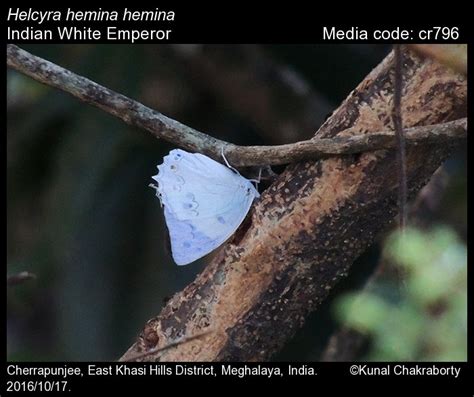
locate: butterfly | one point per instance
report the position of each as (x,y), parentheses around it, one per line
(204,202)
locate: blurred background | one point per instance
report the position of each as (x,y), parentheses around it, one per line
(83,220)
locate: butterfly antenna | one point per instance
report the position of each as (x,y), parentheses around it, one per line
(226,162)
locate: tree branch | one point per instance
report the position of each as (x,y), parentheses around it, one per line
(137,114)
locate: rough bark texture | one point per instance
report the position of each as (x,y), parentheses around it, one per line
(308,227)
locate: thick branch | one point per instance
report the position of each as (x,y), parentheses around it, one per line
(137,114)
(308,228)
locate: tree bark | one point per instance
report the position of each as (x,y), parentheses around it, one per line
(308,227)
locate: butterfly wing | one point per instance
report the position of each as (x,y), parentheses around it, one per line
(205,202)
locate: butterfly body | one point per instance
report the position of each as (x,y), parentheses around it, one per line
(204,203)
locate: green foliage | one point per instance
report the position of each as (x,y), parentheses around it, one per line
(429,319)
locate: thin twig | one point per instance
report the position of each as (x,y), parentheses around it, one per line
(326,147)
(168,346)
(19,278)
(137,114)
(399,134)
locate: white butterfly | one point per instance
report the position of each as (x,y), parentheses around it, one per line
(204,203)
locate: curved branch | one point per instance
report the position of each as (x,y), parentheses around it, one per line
(139,115)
